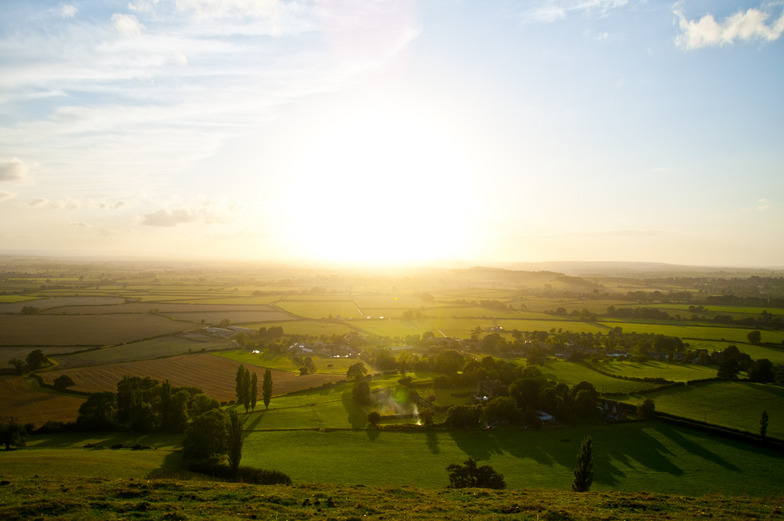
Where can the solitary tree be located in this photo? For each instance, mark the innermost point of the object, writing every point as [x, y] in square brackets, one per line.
[647, 409]
[36, 360]
[206, 436]
[356, 371]
[266, 388]
[234, 441]
[374, 417]
[764, 425]
[62, 382]
[583, 472]
[254, 390]
[755, 337]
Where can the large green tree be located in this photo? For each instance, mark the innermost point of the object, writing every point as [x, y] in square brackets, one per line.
[254, 390]
[206, 436]
[240, 388]
[12, 434]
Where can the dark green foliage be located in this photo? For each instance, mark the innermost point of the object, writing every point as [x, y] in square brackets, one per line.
[202, 403]
[62, 382]
[469, 475]
[240, 387]
[36, 360]
[762, 371]
[266, 388]
[374, 417]
[763, 425]
[12, 434]
[728, 369]
[356, 371]
[755, 337]
[647, 409]
[361, 393]
[30, 310]
[234, 441]
[583, 472]
[254, 390]
[502, 411]
[98, 412]
[256, 476]
[463, 416]
[206, 436]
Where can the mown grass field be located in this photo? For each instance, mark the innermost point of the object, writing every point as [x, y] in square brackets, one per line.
[733, 404]
[774, 354]
[572, 373]
[655, 369]
[321, 308]
[337, 366]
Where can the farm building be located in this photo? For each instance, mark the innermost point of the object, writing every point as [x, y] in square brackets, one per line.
[220, 332]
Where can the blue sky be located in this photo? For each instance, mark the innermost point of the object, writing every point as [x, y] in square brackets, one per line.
[395, 131]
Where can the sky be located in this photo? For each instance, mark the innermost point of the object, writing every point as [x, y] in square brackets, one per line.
[394, 131]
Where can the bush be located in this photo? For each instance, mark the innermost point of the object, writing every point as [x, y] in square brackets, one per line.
[212, 467]
[469, 475]
[374, 417]
[647, 409]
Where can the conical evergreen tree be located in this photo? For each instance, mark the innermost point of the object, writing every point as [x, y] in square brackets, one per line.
[583, 473]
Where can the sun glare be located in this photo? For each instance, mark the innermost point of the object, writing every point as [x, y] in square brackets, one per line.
[381, 188]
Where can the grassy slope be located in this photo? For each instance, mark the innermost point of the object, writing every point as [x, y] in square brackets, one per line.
[103, 498]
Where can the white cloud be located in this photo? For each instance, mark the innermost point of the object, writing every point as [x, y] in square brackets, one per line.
[222, 8]
[762, 205]
[13, 170]
[168, 218]
[745, 26]
[127, 24]
[37, 203]
[4, 196]
[554, 10]
[68, 11]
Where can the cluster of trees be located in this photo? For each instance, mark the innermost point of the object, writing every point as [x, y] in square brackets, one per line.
[12, 434]
[519, 402]
[33, 361]
[246, 388]
[145, 405]
[731, 361]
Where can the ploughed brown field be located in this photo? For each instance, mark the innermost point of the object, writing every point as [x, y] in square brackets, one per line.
[21, 400]
[213, 374]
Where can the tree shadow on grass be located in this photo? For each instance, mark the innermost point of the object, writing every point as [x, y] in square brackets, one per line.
[693, 447]
[356, 416]
[479, 445]
[432, 442]
[254, 421]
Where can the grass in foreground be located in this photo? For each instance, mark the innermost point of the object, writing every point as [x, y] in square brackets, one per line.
[103, 498]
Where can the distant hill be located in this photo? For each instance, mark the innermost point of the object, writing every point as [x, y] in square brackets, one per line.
[642, 269]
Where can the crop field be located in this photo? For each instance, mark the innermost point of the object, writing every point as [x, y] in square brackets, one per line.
[24, 400]
[321, 308]
[650, 457]
[15, 306]
[235, 317]
[305, 327]
[4, 299]
[732, 334]
[213, 374]
[572, 373]
[166, 307]
[722, 309]
[654, 369]
[732, 404]
[146, 349]
[84, 330]
[575, 326]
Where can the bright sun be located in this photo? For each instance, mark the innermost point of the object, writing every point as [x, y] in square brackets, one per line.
[383, 188]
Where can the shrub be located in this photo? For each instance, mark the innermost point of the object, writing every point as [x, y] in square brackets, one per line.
[469, 475]
[212, 467]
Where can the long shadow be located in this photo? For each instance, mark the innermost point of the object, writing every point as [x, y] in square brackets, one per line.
[356, 416]
[479, 445]
[693, 447]
[432, 442]
[255, 420]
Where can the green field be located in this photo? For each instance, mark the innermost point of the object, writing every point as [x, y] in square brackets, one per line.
[651, 457]
[572, 373]
[654, 369]
[645, 456]
[304, 327]
[775, 355]
[732, 334]
[321, 309]
[732, 404]
[285, 363]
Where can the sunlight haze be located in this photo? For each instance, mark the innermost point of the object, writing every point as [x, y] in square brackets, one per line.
[395, 131]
